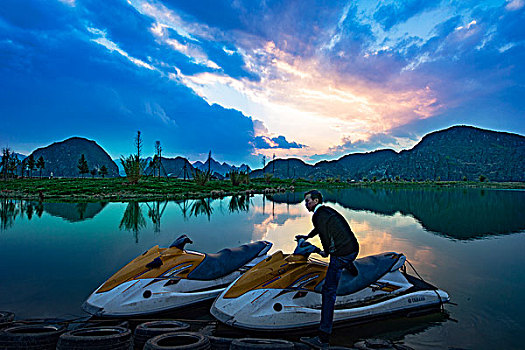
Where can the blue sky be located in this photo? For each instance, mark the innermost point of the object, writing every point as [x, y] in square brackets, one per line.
[308, 79]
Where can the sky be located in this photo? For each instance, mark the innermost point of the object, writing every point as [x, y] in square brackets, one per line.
[246, 79]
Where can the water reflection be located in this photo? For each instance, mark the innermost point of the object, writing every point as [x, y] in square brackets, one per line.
[155, 213]
[8, 213]
[455, 213]
[202, 207]
[133, 220]
[239, 203]
[74, 212]
[474, 271]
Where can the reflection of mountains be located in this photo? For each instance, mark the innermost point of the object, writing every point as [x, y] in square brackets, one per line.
[457, 213]
[74, 212]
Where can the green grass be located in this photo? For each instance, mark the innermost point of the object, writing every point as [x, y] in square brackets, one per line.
[118, 189]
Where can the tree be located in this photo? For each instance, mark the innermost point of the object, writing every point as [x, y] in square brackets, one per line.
[132, 164]
[138, 143]
[82, 166]
[31, 164]
[40, 164]
[13, 164]
[157, 158]
[93, 172]
[201, 177]
[4, 164]
[103, 171]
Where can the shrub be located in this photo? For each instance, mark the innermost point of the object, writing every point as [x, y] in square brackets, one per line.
[200, 177]
[133, 166]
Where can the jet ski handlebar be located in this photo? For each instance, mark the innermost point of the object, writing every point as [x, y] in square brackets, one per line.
[181, 242]
[305, 248]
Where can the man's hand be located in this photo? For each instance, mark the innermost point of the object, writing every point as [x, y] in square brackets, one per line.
[298, 237]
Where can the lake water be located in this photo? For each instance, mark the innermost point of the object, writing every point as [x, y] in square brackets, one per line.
[468, 242]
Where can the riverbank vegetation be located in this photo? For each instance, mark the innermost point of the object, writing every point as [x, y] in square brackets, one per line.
[149, 188]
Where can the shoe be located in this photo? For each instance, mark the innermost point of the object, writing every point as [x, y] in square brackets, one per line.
[315, 342]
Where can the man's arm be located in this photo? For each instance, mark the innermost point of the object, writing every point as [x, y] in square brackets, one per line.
[310, 235]
[313, 233]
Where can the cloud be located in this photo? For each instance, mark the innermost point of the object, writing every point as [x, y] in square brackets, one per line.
[374, 142]
[264, 142]
[228, 76]
[259, 127]
[399, 11]
[65, 81]
[513, 5]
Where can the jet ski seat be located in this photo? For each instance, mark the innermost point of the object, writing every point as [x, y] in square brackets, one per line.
[370, 268]
[226, 261]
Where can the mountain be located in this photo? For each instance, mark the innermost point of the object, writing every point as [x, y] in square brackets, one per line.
[463, 151]
[451, 154]
[61, 158]
[216, 167]
[286, 168]
[173, 167]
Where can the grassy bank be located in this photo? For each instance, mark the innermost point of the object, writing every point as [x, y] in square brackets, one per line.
[118, 189]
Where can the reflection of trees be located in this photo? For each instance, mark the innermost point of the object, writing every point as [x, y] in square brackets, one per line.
[201, 207]
[8, 213]
[155, 214]
[81, 210]
[39, 209]
[239, 203]
[133, 220]
[183, 205]
[29, 211]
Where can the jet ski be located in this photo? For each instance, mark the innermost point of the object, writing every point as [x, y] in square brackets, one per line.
[283, 292]
[163, 279]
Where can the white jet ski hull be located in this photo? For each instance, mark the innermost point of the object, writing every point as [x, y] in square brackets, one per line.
[275, 309]
[147, 296]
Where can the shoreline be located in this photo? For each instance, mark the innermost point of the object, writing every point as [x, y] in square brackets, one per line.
[118, 189]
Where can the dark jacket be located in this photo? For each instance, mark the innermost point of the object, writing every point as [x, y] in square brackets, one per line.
[335, 233]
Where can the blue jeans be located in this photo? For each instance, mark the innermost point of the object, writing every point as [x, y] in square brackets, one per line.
[329, 290]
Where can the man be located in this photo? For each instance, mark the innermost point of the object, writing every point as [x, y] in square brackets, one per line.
[340, 244]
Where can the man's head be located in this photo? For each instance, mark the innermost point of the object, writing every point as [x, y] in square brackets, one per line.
[312, 198]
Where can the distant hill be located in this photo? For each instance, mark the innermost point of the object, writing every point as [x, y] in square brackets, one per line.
[216, 167]
[450, 154]
[173, 167]
[61, 158]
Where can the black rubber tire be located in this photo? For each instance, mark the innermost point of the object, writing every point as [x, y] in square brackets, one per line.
[6, 316]
[37, 336]
[107, 323]
[220, 343]
[148, 330]
[300, 346]
[259, 343]
[96, 338]
[178, 340]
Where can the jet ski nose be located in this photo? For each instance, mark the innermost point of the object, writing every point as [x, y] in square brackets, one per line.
[92, 309]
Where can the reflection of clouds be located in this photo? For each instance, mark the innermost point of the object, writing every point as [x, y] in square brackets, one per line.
[398, 233]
